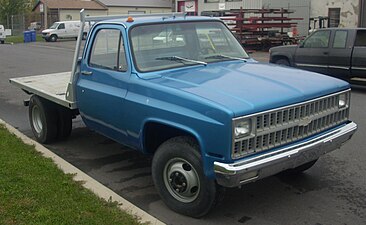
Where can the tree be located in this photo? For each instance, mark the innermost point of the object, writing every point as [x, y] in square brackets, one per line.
[12, 7]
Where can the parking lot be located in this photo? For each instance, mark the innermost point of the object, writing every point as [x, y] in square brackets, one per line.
[332, 192]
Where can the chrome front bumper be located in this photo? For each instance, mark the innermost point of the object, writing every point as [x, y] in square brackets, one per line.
[261, 166]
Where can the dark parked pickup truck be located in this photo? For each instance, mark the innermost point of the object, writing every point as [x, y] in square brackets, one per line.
[336, 52]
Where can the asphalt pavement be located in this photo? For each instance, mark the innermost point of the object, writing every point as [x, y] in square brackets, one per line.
[332, 192]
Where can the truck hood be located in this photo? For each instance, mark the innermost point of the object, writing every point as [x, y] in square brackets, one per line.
[251, 87]
[286, 48]
[48, 30]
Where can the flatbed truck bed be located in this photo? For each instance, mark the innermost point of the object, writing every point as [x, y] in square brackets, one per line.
[52, 87]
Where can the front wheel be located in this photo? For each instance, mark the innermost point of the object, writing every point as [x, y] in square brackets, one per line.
[283, 62]
[53, 38]
[179, 178]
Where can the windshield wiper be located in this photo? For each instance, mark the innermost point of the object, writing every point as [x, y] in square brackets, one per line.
[181, 59]
[224, 57]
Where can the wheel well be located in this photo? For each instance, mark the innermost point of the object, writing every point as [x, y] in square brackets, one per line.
[156, 133]
[278, 57]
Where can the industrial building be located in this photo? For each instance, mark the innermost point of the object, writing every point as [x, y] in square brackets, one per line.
[326, 13]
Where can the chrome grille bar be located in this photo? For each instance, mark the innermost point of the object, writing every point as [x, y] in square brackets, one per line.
[278, 127]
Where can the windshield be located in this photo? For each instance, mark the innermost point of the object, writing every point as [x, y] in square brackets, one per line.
[165, 46]
[54, 26]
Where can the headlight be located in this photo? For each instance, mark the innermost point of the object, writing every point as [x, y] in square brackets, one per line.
[342, 102]
[242, 128]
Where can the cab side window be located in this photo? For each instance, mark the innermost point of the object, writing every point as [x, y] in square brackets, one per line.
[319, 39]
[340, 39]
[61, 26]
[360, 38]
[108, 51]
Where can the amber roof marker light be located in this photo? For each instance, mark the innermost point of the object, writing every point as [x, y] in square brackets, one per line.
[129, 19]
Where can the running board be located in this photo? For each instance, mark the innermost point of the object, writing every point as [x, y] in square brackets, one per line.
[359, 79]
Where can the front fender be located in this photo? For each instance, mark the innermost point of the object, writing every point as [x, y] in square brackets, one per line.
[204, 130]
[281, 55]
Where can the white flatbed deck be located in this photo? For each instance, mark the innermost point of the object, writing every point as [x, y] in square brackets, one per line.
[52, 87]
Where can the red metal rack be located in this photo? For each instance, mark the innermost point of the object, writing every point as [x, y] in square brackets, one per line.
[261, 28]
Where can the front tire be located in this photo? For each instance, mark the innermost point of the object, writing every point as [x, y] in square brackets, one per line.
[53, 38]
[179, 178]
[43, 119]
[282, 62]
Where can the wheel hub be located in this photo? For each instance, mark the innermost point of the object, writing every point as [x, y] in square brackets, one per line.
[181, 180]
[37, 120]
[178, 182]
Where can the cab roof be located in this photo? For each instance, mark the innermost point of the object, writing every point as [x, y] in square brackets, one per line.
[158, 19]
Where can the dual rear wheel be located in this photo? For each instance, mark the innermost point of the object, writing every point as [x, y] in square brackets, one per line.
[49, 121]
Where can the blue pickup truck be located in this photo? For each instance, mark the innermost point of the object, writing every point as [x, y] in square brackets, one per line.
[183, 90]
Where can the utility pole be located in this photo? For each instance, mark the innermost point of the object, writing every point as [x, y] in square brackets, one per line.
[12, 23]
[45, 15]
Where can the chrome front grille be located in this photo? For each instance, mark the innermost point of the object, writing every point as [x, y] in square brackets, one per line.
[285, 125]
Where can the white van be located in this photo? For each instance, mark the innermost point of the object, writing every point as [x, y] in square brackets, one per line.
[2, 34]
[64, 29]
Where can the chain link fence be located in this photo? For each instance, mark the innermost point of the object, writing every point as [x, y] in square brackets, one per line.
[30, 21]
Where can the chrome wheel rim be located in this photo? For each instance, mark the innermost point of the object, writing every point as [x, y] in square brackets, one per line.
[36, 119]
[181, 180]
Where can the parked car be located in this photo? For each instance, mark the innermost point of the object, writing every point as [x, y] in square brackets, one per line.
[35, 26]
[2, 34]
[64, 29]
[211, 116]
[337, 52]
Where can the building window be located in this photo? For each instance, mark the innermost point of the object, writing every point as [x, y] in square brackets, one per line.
[211, 1]
[334, 17]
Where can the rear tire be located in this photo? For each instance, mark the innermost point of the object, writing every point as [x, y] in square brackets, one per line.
[283, 62]
[43, 119]
[179, 178]
[64, 123]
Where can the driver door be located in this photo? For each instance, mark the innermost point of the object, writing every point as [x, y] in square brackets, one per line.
[61, 31]
[313, 53]
[103, 82]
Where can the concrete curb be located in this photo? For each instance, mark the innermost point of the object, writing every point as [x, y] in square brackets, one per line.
[87, 181]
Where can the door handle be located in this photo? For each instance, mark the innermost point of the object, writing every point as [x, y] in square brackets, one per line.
[326, 53]
[86, 73]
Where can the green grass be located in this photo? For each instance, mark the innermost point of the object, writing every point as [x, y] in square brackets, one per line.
[20, 39]
[34, 191]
